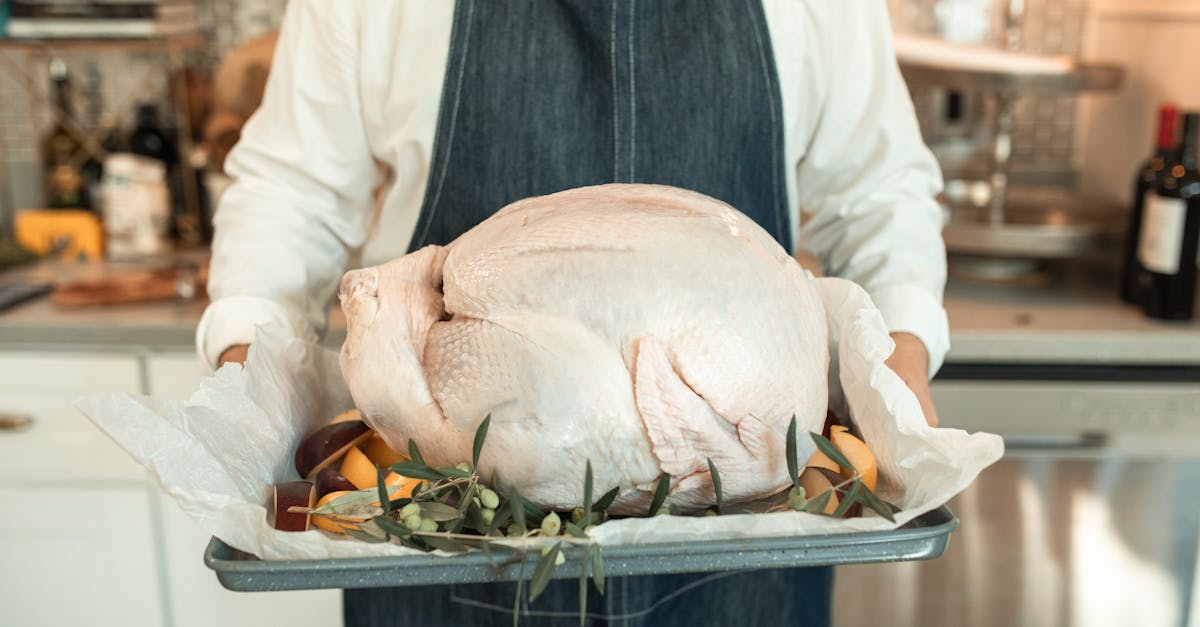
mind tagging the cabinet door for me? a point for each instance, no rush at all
(78, 554)
(43, 437)
(78, 540)
(199, 600)
(196, 597)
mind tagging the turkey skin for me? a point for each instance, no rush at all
(645, 328)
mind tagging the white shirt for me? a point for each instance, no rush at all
(359, 82)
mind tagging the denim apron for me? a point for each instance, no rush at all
(545, 95)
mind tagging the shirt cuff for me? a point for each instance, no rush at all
(232, 320)
(910, 309)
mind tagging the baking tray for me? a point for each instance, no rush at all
(925, 537)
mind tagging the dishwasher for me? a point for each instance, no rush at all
(1092, 518)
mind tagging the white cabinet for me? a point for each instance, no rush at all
(78, 534)
(196, 598)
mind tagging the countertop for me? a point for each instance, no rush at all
(1075, 320)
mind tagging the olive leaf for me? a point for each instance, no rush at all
(574, 530)
(793, 464)
(533, 513)
(516, 612)
(517, 505)
(454, 472)
(541, 574)
(503, 513)
(606, 501)
(416, 470)
(878, 505)
(390, 526)
(816, 505)
(660, 493)
(414, 453)
(439, 512)
(382, 489)
(480, 436)
(584, 565)
(849, 500)
(587, 495)
(716, 481)
(359, 504)
(597, 567)
(832, 452)
(359, 534)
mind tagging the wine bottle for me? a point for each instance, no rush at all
(149, 139)
(1167, 248)
(1148, 178)
(64, 184)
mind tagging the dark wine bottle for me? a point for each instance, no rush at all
(1167, 248)
(63, 181)
(1148, 178)
(149, 139)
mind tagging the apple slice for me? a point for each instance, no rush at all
(293, 494)
(326, 445)
(358, 469)
(330, 480)
(857, 453)
(380, 453)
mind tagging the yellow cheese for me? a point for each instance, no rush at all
(71, 233)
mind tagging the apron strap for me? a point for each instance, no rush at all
(546, 95)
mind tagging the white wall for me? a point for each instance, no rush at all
(1158, 43)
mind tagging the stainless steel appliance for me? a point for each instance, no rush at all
(1092, 519)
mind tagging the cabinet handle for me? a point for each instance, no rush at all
(15, 422)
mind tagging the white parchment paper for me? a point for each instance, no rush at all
(219, 453)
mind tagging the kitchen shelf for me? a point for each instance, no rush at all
(182, 42)
(1083, 77)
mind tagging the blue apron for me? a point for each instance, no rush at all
(545, 95)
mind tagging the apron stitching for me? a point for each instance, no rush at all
(433, 205)
(616, 102)
(632, 98)
(774, 124)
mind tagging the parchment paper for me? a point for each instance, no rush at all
(219, 453)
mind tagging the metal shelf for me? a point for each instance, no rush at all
(1084, 77)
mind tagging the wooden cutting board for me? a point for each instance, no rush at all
(127, 287)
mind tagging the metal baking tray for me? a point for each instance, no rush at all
(923, 538)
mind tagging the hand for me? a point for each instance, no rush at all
(910, 360)
(236, 354)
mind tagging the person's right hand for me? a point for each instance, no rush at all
(236, 354)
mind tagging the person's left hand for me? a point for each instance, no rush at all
(910, 360)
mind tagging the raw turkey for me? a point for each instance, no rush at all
(645, 328)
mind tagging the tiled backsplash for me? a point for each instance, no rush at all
(103, 83)
(1044, 127)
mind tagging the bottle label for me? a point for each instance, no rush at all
(1162, 233)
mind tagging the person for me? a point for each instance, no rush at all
(793, 111)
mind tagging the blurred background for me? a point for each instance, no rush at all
(1063, 130)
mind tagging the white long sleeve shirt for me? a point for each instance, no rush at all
(356, 82)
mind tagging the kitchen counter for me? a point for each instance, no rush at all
(1076, 320)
